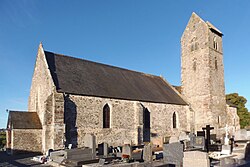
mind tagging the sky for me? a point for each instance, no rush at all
(140, 35)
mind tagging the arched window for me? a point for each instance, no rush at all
(174, 120)
(194, 44)
(106, 116)
(215, 44)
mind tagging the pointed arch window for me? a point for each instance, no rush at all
(106, 116)
(174, 121)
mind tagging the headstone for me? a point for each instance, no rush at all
(201, 133)
(213, 137)
(147, 153)
(173, 154)
(183, 136)
(192, 139)
(101, 162)
(126, 151)
(90, 142)
(173, 139)
(196, 159)
(103, 149)
(199, 142)
(226, 149)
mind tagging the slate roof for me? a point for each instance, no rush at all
(82, 77)
(24, 120)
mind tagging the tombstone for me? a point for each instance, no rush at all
(192, 140)
(207, 128)
(201, 133)
(213, 137)
(199, 142)
(90, 142)
(173, 154)
(103, 149)
(226, 149)
(195, 159)
(183, 136)
(147, 153)
(126, 151)
(173, 139)
(101, 162)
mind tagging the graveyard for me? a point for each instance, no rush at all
(199, 149)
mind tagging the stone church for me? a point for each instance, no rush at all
(71, 97)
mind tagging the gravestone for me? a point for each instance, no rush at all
(226, 149)
(192, 140)
(183, 136)
(173, 139)
(201, 133)
(147, 153)
(196, 159)
(90, 142)
(207, 129)
(126, 150)
(199, 142)
(173, 154)
(103, 149)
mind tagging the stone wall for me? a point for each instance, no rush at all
(26, 140)
(126, 119)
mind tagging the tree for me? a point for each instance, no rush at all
(242, 111)
(2, 139)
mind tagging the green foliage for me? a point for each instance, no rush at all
(239, 102)
(2, 139)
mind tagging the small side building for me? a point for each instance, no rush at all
(23, 132)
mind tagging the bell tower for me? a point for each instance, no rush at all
(202, 73)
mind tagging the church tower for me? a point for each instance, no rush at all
(202, 73)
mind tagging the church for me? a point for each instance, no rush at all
(71, 97)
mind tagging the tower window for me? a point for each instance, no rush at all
(106, 116)
(215, 63)
(215, 44)
(194, 44)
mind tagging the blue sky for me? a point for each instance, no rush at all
(140, 35)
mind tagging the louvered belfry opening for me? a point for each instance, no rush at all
(106, 116)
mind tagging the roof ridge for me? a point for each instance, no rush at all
(111, 66)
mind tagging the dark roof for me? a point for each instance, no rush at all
(24, 120)
(231, 104)
(178, 88)
(82, 77)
